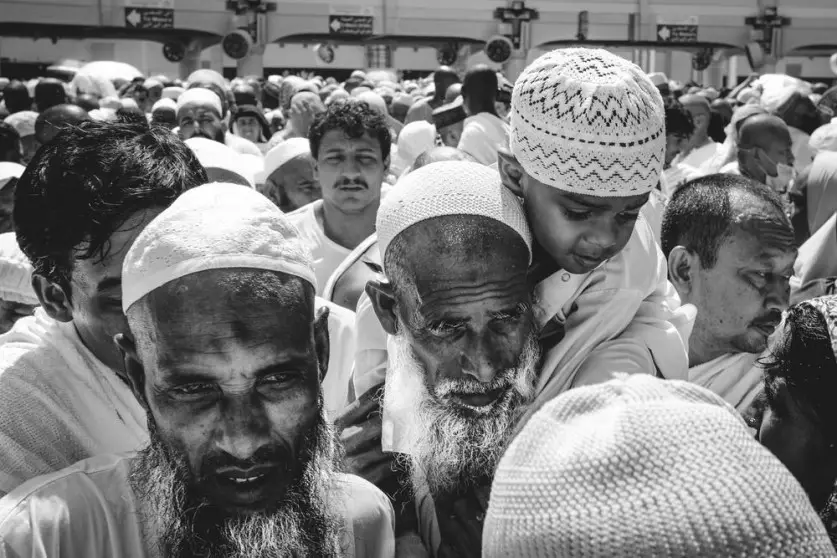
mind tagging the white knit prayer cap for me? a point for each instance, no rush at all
(9, 170)
(199, 96)
(640, 466)
(216, 155)
(281, 154)
(588, 122)
(173, 92)
(164, 103)
(449, 188)
(215, 226)
(23, 122)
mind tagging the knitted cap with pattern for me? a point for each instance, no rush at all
(588, 122)
(448, 188)
(640, 466)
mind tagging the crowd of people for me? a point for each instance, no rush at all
(590, 313)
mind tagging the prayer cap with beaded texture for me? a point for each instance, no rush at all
(640, 466)
(449, 188)
(215, 226)
(588, 122)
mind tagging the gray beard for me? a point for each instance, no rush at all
(451, 448)
(178, 523)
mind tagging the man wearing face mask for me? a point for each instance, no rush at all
(801, 116)
(765, 152)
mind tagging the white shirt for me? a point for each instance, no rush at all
(736, 377)
(341, 356)
(698, 156)
(59, 403)
(622, 317)
(327, 254)
(89, 510)
(483, 135)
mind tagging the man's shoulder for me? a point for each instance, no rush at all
(83, 488)
(83, 510)
(304, 213)
(368, 510)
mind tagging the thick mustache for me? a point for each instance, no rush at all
(355, 182)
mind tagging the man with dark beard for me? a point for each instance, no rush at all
(463, 349)
(226, 355)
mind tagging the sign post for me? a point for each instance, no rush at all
(149, 14)
(684, 31)
(351, 25)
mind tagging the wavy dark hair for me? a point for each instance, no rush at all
(88, 182)
(354, 118)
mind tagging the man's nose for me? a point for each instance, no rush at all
(479, 359)
(243, 428)
(778, 297)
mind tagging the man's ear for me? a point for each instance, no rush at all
(322, 343)
(316, 171)
(683, 267)
(53, 298)
(387, 161)
(134, 371)
(382, 297)
(510, 171)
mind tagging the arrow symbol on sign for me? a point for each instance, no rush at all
(134, 18)
(336, 25)
(664, 33)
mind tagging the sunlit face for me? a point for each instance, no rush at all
(350, 171)
(740, 299)
(249, 128)
(96, 292)
(293, 184)
(464, 357)
(200, 121)
(233, 384)
(472, 316)
(579, 232)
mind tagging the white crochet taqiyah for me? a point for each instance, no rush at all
(215, 226)
(448, 188)
(215, 155)
(281, 154)
(199, 96)
(640, 466)
(588, 122)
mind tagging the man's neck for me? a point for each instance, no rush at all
(699, 353)
(347, 229)
(479, 109)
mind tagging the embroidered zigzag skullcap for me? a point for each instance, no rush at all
(589, 122)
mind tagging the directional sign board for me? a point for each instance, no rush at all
(685, 31)
(149, 18)
(355, 25)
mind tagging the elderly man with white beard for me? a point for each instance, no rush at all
(226, 356)
(463, 345)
